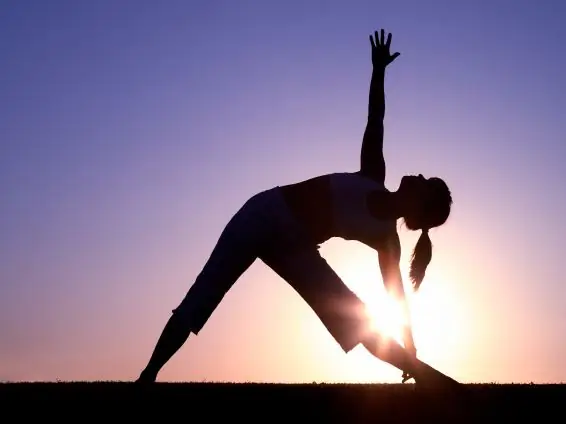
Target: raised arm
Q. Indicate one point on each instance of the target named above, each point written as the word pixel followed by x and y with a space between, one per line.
pixel 372 161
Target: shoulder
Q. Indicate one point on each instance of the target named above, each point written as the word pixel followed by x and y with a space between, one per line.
pixel 376 177
pixel 357 179
pixel 388 243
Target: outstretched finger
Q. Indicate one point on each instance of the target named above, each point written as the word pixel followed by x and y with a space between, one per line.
pixel 395 56
pixel 382 36
pixel 372 41
pixel 388 42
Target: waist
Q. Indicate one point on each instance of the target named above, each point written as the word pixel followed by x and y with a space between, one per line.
pixel 310 202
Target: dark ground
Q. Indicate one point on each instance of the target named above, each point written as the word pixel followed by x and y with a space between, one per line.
pixel 265 403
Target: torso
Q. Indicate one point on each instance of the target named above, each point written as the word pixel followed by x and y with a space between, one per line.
pixel 335 205
pixel 311 204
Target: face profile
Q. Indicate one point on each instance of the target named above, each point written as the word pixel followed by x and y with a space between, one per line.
pixel 427 201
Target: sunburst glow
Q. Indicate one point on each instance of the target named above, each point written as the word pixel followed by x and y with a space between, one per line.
pixel 387 317
pixel 438 320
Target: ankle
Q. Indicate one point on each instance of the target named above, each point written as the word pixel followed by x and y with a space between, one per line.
pixel 148 375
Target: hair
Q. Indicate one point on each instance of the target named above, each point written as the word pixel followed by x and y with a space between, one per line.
pixel 421 257
pixel 435 213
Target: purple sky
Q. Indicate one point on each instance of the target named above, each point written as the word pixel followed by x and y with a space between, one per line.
pixel 130 132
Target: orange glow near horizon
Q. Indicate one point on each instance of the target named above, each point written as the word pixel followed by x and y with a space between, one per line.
pixel 441 328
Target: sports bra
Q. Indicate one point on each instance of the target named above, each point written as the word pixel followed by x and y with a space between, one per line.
pixel 335 205
pixel 351 218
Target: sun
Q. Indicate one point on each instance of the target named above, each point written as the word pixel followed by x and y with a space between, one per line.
pixel 436 318
pixel 440 315
pixel 360 271
pixel 437 312
pixel 386 317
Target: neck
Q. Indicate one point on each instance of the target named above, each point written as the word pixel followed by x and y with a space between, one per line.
pixel 387 205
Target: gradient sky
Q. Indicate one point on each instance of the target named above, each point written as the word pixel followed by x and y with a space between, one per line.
pixel 131 131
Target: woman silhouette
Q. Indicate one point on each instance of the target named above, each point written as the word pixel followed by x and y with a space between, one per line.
pixel 284 226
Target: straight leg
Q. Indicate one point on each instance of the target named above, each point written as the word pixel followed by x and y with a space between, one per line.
pixel 341 311
pixel 236 249
pixel 344 314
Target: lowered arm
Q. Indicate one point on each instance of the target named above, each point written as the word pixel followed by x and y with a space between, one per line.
pixel 389 259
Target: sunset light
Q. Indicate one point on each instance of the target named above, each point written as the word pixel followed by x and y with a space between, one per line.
pixel 134 132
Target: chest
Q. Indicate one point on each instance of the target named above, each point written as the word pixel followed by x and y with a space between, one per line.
pixel 352 219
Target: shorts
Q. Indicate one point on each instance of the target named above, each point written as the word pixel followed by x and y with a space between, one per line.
pixel 264 228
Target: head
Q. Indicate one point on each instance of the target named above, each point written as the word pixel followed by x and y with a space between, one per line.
pixel 426 204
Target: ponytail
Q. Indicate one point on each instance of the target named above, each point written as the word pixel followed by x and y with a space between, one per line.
pixel 422 254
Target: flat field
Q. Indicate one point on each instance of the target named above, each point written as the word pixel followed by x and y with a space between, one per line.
pixel 266 403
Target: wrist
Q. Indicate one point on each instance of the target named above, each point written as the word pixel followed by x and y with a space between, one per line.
pixel 379 68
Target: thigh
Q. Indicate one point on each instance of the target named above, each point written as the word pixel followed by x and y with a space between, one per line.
pixel 341 311
pixel 235 251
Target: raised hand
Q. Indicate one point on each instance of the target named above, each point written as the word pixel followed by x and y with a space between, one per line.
pixel 380 55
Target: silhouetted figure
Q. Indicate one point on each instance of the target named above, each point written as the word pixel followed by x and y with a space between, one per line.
pixel 285 225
